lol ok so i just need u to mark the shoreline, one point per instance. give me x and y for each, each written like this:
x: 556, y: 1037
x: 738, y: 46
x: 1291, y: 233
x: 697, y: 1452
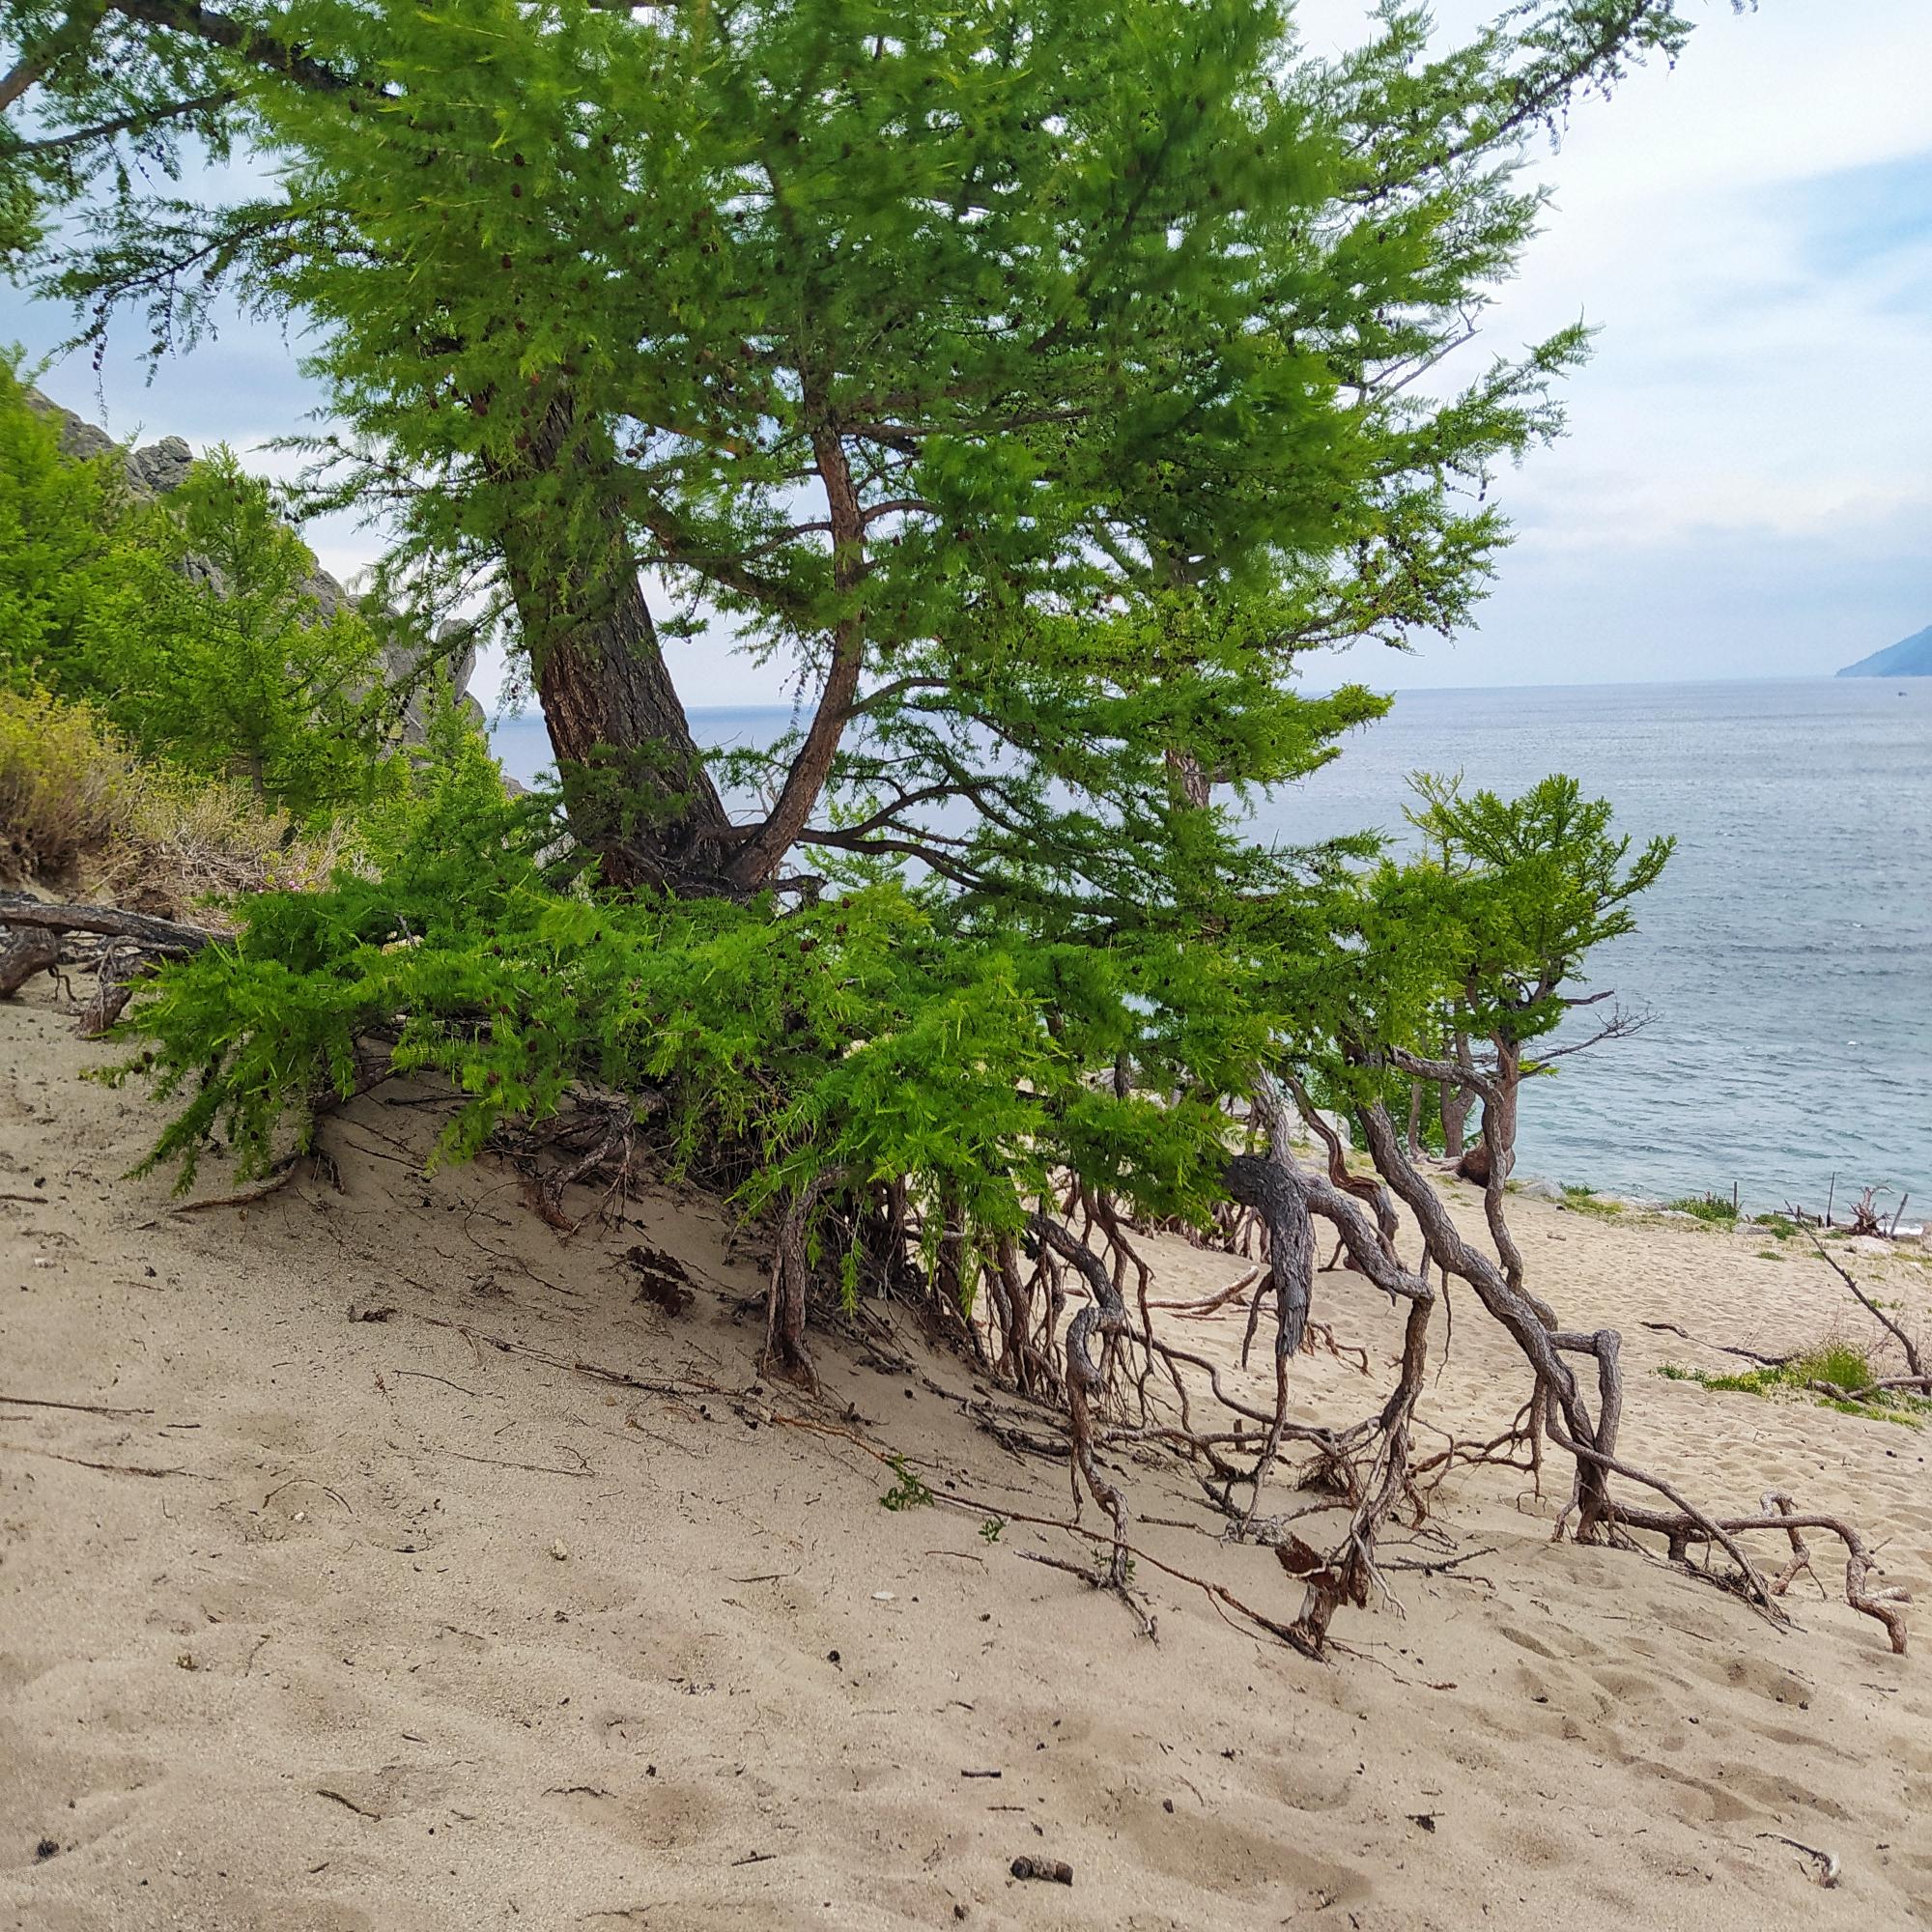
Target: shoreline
x: 1566, y: 1194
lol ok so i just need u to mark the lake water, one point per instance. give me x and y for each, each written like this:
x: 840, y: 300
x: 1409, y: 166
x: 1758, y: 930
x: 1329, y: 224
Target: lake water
x: 1786, y: 956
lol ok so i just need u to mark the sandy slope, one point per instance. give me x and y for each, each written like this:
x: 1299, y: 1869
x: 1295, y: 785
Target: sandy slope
x: 394, y: 1629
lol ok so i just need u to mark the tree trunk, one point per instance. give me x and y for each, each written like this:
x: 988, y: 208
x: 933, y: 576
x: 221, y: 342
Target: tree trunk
x: 1499, y: 1113
x: 634, y: 783
x: 1454, y: 1106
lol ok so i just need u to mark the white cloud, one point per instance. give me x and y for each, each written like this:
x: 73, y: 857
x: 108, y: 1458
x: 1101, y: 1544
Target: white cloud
x: 1745, y: 488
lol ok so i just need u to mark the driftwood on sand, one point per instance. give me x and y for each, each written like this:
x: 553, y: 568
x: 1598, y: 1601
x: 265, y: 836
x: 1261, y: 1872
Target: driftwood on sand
x: 40, y: 936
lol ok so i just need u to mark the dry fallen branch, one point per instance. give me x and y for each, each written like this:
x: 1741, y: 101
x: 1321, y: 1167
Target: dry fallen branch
x: 36, y: 936
x: 22, y: 956
x: 1825, y: 1867
x: 152, y: 934
x: 80, y: 1407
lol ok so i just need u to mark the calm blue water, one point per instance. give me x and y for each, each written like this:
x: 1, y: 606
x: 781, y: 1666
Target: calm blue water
x: 1786, y: 954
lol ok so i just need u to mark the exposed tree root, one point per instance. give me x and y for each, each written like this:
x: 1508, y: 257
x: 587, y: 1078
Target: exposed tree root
x: 1057, y: 1328
x: 1369, y: 1468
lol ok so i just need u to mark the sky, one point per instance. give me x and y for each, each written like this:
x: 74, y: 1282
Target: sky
x: 1746, y: 489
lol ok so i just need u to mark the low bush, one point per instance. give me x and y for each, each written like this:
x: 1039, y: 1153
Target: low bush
x: 67, y: 788
x: 1838, y: 1373
x: 81, y: 814
x: 1720, y: 1209
x: 861, y: 1041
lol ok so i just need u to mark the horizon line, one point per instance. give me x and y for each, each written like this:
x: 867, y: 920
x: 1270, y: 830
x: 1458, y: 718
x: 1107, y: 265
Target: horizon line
x: 1411, y: 690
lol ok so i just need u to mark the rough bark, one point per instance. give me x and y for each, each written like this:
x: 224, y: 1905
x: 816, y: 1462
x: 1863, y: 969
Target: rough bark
x: 1274, y: 1185
x: 22, y: 954
x: 634, y: 781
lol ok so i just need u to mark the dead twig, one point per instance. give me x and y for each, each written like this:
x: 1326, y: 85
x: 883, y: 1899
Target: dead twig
x: 80, y: 1407
x: 534, y: 1468
x: 424, y: 1376
x: 1825, y: 1869
x: 348, y: 1804
x: 1871, y: 1308
x: 107, y: 1468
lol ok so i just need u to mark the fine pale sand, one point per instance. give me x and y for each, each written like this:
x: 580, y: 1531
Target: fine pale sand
x: 334, y: 1622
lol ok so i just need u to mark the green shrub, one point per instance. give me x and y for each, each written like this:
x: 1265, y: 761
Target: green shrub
x: 1587, y: 1201
x: 862, y: 1037
x: 1836, y: 1366
x: 189, y: 623
x: 1717, y: 1208
x: 59, y: 548
x: 1840, y: 1365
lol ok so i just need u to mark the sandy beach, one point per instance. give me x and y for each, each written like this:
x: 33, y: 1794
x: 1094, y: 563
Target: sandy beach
x: 373, y: 1559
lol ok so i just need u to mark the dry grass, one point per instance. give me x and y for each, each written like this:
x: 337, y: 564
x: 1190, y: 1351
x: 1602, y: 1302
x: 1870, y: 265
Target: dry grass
x: 81, y: 815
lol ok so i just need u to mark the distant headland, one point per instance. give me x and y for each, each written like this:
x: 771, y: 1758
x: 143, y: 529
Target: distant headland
x: 1911, y: 658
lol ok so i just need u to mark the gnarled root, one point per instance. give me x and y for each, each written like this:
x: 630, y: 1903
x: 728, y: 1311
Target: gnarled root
x: 1681, y: 1532
x: 786, y: 1353
x: 1105, y: 1316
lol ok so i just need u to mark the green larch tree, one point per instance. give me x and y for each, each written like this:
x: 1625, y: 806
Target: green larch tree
x: 1039, y: 380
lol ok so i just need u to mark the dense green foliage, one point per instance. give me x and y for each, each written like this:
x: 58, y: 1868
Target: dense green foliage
x: 1043, y: 381
x: 1041, y: 378
x: 1532, y: 887
x: 1498, y: 914
x: 187, y: 622
x: 858, y: 1035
